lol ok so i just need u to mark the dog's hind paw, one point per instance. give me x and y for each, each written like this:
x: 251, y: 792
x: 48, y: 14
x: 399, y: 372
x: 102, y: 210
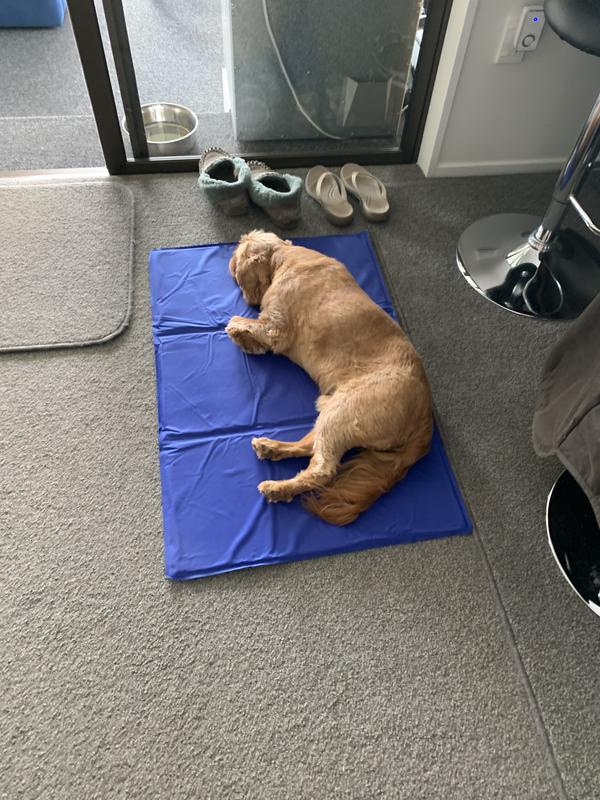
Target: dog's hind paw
x: 275, y: 492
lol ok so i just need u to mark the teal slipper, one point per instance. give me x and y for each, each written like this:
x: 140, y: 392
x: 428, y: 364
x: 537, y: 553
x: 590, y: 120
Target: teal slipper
x: 226, y: 180
x: 278, y: 195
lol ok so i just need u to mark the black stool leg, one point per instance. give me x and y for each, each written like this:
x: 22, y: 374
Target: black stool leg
x: 571, y: 178
x: 534, y: 268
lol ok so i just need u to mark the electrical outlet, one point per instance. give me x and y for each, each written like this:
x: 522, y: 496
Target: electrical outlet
x: 506, y: 52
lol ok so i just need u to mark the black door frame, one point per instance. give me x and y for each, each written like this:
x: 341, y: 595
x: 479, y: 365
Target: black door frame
x: 95, y: 68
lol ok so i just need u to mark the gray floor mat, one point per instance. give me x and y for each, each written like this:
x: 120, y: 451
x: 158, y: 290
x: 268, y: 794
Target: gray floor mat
x: 65, y: 264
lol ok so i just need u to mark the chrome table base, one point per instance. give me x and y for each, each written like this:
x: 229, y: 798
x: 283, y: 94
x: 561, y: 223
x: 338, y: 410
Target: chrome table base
x: 496, y: 258
x: 575, y: 539
x: 537, y: 267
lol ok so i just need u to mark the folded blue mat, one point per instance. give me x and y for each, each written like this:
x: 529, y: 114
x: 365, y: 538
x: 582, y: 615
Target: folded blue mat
x: 213, y: 398
x: 32, y: 13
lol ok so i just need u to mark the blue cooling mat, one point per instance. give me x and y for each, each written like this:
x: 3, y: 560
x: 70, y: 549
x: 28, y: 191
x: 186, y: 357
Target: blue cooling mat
x: 213, y: 398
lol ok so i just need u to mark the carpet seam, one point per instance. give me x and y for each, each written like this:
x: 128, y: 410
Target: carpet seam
x: 534, y: 708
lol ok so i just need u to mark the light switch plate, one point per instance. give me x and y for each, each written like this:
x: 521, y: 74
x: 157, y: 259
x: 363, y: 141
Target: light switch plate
x: 531, y: 25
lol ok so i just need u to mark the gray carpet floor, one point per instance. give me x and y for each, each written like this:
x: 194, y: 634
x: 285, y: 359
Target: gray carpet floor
x: 456, y: 668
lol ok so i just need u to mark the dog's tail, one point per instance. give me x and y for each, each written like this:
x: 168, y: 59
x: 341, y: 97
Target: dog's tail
x: 361, y: 480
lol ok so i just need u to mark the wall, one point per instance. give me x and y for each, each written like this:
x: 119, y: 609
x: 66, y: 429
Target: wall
x: 488, y: 118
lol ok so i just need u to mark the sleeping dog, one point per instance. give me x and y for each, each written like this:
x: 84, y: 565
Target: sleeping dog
x: 374, y: 393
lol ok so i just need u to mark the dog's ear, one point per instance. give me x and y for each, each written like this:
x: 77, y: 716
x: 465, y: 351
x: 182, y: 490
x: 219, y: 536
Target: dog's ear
x: 254, y: 276
x: 251, y: 265
x: 286, y: 241
x: 238, y: 254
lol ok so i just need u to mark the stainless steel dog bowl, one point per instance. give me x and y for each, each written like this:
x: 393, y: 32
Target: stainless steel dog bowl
x: 170, y: 129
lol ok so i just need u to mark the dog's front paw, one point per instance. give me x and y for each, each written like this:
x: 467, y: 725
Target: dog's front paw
x: 275, y: 492
x: 239, y: 331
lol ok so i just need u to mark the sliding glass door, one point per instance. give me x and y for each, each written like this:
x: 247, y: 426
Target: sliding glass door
x: 290, y: 83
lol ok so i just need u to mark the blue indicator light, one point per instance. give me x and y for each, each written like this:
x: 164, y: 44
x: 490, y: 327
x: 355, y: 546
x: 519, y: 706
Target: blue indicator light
x: 536, y: 19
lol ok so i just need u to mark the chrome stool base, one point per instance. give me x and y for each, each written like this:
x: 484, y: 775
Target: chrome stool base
x: 575, y: 539
x: 495, y: 256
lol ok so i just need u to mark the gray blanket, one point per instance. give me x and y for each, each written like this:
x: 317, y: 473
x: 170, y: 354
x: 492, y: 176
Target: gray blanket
x: 566, y: 422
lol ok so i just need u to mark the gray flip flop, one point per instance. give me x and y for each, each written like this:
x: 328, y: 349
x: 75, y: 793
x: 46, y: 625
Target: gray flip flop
x: 226, y: 180
x: 278, y: 195
x: 329, y: 191
x: 369, y: 191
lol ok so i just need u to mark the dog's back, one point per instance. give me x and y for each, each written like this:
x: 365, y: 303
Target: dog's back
x: 375, y: 393
x: 337, y: 331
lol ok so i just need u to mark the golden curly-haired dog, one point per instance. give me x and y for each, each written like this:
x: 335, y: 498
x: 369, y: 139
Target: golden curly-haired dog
x: 374, y: 391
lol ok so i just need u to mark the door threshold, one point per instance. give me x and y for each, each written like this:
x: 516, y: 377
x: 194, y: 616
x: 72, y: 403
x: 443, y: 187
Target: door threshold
x: 45, y: 174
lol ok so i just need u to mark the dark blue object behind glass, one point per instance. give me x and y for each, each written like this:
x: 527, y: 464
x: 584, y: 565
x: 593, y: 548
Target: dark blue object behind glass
x: 213, y: 398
